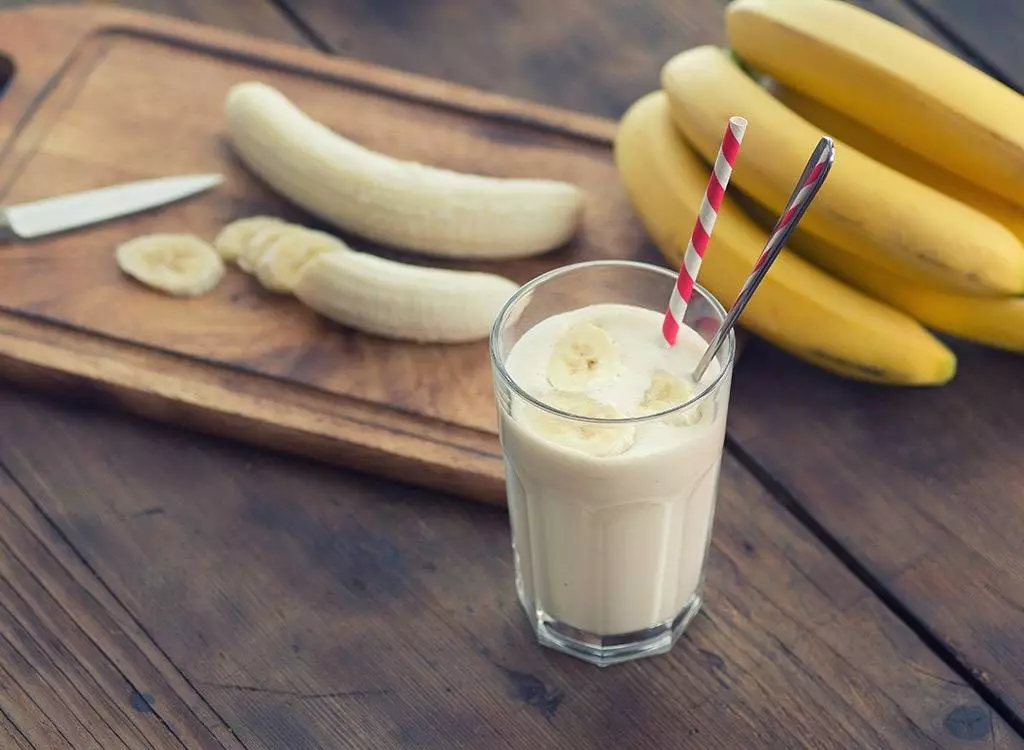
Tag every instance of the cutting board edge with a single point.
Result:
(469, 465)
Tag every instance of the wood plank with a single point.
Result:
(336, 610)
(590, 56)
(901, 13)
(925, 489)
(257, 17)
(78, 671)
(991, 31)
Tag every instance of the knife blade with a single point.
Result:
(63, 212)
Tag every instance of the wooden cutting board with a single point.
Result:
(101, 96)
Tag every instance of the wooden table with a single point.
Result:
(159, 589)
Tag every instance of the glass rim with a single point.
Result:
(729, 344)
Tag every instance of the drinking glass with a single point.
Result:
(610, 552)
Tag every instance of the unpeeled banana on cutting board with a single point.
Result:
(920, 225)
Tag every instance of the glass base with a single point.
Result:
(605, 650)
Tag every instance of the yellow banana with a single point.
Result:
(798, 307)
(866, 207)
(880, 148)
(994, 321)
(894, 81)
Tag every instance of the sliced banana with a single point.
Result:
(400, 300)
(583, 356)
(587, 437)
(666, 391)
(233, 237)
(278, 268)
(179, 264)
(260, 241)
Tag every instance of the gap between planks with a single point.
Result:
(304, 30)
(779, 493)
(25, 517)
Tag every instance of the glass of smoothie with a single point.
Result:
(612, 455)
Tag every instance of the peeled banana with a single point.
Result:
(866, 207)
(399, 203)
(182, 265)
(402, 301)
(892, 80)
(880, 148)
(797, 307)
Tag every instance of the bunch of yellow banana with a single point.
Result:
(920, 224)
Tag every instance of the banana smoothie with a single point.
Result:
(611, 521)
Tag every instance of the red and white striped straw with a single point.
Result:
(698, 244)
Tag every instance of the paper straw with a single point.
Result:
(698, 244)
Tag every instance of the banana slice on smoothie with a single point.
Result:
(586, 437)
(584, 355)
(666, 391)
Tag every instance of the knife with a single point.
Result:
(50, 215)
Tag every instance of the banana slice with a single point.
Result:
(583, 356)
(260, 241)
(278, 268)
(182, 265)
(400, 300)
(587, 437)
(666, 391)
(233, 237)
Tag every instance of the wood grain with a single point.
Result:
(341, 611)
(78, 671)
(257, 17)
(105, 120)
(991, 31)
(924, 489)
(903, 14)
(590, 56)
(595, 57)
